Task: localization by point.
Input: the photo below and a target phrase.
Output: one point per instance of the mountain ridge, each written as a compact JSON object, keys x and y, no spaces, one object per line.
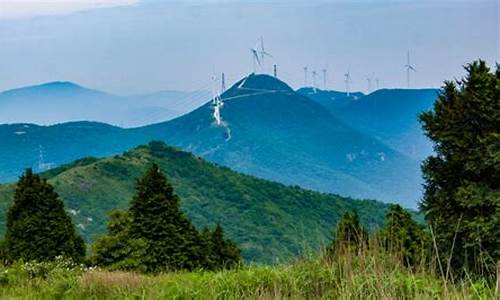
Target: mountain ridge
{"x":271,"y":132}
{"x":64,"y":101}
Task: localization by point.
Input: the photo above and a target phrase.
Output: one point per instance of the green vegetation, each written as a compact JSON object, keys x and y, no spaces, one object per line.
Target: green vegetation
{"x":38,"y":228}
{"x":349,"y":232}
{"x":369,"y":274}
{"x":149,"y":247}
{"x":269,"y":222}
{"x":401,"y":234}
{"x":154,"y":235}
{"x":462,"y":197}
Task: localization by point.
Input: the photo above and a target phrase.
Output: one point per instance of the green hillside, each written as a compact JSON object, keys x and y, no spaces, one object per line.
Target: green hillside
{"x":269,"y":221}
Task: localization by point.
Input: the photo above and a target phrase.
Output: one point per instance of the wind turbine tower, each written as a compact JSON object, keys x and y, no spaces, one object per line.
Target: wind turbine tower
{"x":409,"y":69}
{"x":314,"y":75}
{"x":324,"y":79}
{"x":263,"y":54}
{"x":275,"y":71}
{"x":347,"y":82}
{"x":223,"y":84}
{"x":377,"y":81}
{"x":369,"y":81}
{"x":305,"y":76}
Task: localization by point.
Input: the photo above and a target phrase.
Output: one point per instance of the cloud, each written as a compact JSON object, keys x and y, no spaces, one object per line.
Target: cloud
{"x":14,"y":9}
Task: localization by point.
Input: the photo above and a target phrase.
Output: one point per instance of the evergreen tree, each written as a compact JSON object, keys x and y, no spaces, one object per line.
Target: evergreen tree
{"x":173,"y":242}
{"x":118,"y":250}
{"x":38,"y":228}
{"x":405,"y":237}
{"x":462,"y":196}
{"x":223,"y":253}
{"x":154,"y":235}
{"x":349,"y":233}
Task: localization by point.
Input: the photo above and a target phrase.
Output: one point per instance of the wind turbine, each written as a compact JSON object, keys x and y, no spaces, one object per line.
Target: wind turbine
{"x":409,"y":68}
{"x":377,"y":81}
{"x":347,"y":81}
{"x":255,"y":58}
{"x":263,"y":53}
{"x":314,"y":75}
{"x":324,"y":79}
{"x":305,"y":76}
{"x":369,"y":81}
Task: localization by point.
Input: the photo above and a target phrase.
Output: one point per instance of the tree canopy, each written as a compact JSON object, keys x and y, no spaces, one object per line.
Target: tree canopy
{"x":404,"y":236}
{"x":38,"y":228}
{"x":462,"y":179}
{"x":155,"y":235}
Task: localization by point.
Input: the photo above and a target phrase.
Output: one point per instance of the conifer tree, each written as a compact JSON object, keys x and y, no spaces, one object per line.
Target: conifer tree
{"x":404,"y":236}
{"x":155,"y":236}
{"x":38,"y":228}
{"x":462,"y":180}
{"x":349,"y":233}
{"x":118,"y":250}
{"x":224,"y":253}
{"x":173,"y":242}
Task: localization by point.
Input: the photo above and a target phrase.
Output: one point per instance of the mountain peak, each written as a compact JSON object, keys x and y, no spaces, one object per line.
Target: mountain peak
{"x":262,"y":82}
{"x":49,"y":88}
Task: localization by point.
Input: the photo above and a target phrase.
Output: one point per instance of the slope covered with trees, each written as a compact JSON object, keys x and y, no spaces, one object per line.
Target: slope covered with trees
{"x":269,"y":221}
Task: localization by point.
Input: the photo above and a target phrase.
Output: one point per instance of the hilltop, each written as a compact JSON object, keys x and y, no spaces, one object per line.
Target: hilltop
{"x":270,"y":221}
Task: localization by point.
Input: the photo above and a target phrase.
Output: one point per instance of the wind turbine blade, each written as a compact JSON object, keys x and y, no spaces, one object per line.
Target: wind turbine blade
{"x":266,"y":53}
{"x":257,"y":58}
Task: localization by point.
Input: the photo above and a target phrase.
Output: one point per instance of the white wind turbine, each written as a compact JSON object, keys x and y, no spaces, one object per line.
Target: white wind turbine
{"x":255,"y":58}
{"x":324,"y":78}
{"x":409,"y":68}
{"x":263,"y":54}
{"x":347,"y":82}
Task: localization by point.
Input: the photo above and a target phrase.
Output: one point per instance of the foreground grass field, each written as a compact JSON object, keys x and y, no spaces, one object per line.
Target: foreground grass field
{"x":366,"y":276}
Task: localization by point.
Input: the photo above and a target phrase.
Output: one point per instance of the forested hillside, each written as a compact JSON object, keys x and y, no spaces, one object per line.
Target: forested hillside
{"x":270,"y":222}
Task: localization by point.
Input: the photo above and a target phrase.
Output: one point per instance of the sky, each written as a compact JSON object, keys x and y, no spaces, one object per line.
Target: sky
{"x":134,"y":47}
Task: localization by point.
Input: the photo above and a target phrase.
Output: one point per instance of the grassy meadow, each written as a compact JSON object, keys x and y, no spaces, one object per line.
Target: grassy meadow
{"x":353,"y":274}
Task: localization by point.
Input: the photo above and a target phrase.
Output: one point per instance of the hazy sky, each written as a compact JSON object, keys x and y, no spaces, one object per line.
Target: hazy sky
{"x":128,"y":47}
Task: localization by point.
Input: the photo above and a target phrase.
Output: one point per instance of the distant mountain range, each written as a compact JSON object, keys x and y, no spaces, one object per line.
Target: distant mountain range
{"x":268,"y":130}
{"x":332,"y":100}
{"x":269,"y":221}
{"x":60,"y":102}
{"x":390,"y":115}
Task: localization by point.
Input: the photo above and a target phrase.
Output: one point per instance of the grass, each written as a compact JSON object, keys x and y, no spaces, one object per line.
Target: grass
{"x":368,"y":274}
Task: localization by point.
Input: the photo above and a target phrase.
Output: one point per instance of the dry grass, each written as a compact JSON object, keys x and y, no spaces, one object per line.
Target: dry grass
{"x":99,"y":280}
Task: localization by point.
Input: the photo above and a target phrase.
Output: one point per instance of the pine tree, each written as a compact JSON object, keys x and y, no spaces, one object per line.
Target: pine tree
{"x":155,"y":236}
{"x":224,"y":253}
{"x":118,"y":250}
{"x":173,"y":242}
{"x":403,"y":236}
{"x":349,"y":233}
{"x":462,"y":180}
{"x":38,"y":228}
